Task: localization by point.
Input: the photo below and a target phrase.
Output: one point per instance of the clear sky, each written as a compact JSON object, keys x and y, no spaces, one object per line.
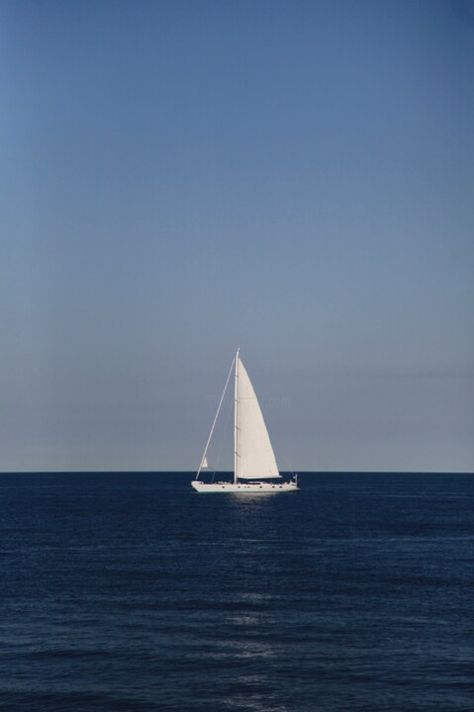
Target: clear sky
{"x":179,"y":178}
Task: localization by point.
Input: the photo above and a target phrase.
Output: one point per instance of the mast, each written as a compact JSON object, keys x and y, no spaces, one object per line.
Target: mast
{"x":236,"y":406}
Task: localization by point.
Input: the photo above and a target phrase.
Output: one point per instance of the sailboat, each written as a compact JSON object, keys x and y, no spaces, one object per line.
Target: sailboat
{"x":255,"y":467}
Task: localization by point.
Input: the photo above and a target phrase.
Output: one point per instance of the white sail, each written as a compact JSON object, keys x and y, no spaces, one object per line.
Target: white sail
{"x":204,"y":465}
{"x":254,"y":459}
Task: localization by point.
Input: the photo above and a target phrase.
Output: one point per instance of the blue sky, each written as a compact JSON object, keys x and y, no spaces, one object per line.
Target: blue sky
{"x":179,"y":178}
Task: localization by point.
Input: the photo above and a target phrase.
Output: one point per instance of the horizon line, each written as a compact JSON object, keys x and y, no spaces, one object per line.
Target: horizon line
{"x":193,"y":471}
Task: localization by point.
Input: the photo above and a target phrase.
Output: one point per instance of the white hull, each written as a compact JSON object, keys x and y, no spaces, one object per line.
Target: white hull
{"x":244,"y":488}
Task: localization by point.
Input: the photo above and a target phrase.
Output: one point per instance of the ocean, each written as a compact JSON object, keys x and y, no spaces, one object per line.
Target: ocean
{"x":131,"y":592}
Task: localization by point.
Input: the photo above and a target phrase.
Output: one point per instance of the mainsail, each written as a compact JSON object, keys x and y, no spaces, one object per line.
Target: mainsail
{"x":254,"y":459}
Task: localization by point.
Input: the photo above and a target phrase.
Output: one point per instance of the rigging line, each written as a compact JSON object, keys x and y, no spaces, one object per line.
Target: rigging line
{"x":215,"y":419}
{"x":220,"y":446}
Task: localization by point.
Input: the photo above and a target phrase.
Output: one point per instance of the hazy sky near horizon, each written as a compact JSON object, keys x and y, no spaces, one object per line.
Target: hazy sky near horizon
{"x":179,"y":178}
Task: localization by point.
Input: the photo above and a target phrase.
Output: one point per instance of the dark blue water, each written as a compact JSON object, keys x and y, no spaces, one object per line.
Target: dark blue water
{"x":132,"y":592}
